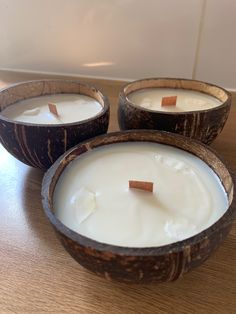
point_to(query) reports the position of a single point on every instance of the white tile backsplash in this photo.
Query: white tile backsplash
(126, 39)
(118, 38)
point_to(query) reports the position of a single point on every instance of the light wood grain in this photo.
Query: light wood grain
(38, 276)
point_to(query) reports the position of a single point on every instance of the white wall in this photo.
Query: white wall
(126, 39)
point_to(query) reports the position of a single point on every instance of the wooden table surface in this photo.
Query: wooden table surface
(37, 275)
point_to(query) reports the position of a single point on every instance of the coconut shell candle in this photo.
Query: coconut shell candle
(40, 120)
(132, 209)
(191, 108)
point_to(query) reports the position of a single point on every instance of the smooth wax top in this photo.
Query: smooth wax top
(92, 196)
(187, 100)
(70, 107)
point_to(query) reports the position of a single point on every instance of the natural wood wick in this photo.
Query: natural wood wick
(53, 109)
(141, 185)
(169, 101)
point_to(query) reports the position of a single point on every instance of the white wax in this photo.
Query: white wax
(92, 195)
(70, 107)
(187, 100)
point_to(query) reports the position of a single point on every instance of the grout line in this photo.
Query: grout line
(199, 37)
(67, 74)
(77, 76)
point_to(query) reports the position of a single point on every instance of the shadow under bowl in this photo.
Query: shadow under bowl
(203, 125)
(151, 264)
(39, 145)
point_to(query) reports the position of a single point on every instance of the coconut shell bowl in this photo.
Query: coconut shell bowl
(203, 125)
(39, 145)
(148, 264)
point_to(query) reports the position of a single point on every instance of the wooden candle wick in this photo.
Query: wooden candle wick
(169, 101)
(141, 185)
(53, 109)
